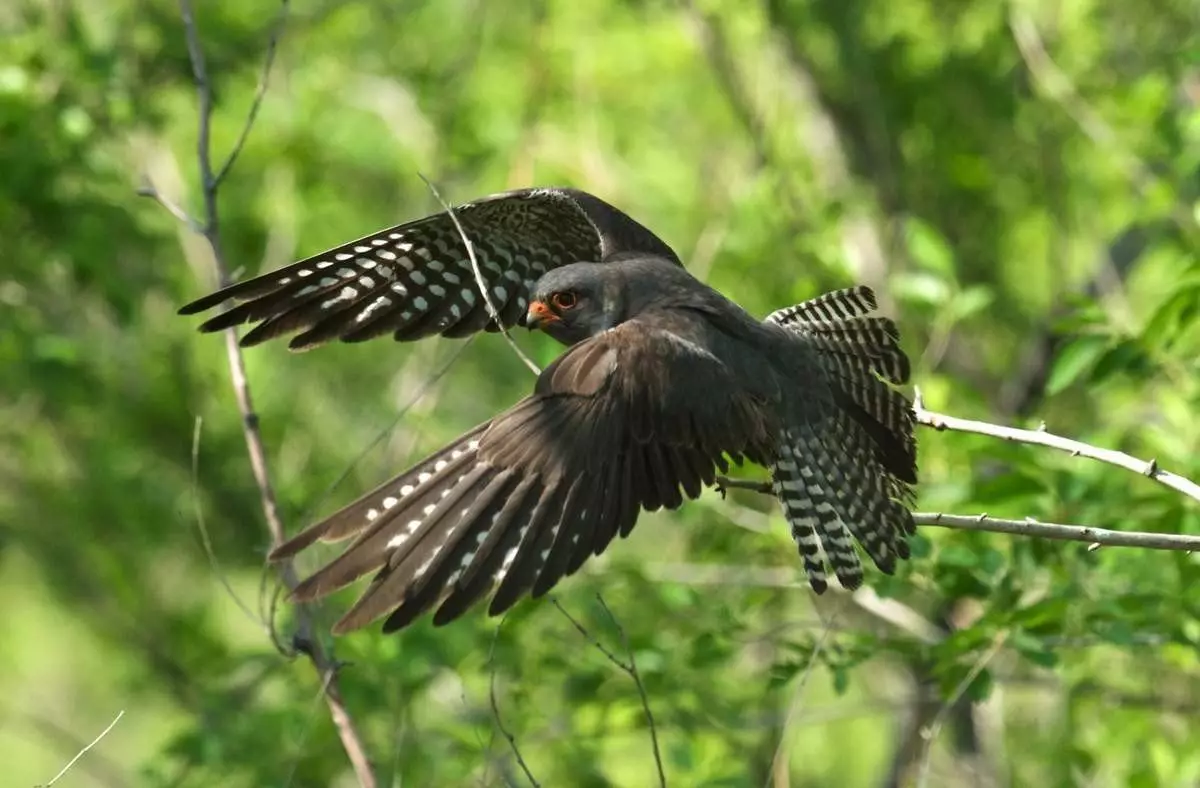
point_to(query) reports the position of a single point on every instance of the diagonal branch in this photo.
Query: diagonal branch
(495, 704)
(260, 92)
(629, 668)
(935, 727)
(323, 661)
(1040, 437)
(84, 751)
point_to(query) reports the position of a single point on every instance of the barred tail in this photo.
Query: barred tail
(847, 474)
(861, 356)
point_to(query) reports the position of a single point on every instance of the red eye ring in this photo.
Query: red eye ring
(564, 300)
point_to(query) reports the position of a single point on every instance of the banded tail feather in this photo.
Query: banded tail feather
(832, 306)
(862, 355)
(834, 492)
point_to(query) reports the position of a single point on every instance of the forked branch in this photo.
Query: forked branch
(323, 661)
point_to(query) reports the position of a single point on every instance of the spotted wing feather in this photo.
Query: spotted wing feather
(522, 501)
(416, 279)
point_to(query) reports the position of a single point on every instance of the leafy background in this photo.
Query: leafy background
(1018, 180)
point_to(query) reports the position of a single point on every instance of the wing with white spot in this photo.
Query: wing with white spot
(416, 279)
(634, 418)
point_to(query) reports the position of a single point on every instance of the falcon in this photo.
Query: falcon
(663, 384)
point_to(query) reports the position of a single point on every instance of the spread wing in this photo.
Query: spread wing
(416, 279)
(634, 418)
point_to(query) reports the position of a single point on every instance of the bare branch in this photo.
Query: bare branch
(629, 668)
(493, 313)
(84, 751)
(260, 92)
(149, 190)
(1040, 437)
(632, 670)
(1096, 537)
(324, 663)
(512, 740)
(1058, 86)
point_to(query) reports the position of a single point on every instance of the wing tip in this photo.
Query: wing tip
(197, 306)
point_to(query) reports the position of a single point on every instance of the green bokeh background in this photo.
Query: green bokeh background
(1017, 180)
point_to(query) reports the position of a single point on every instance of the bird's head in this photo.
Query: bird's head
(576, 301)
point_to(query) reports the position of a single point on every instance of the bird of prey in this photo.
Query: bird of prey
(663, 384)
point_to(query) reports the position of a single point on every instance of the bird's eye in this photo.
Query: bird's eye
(564, 300)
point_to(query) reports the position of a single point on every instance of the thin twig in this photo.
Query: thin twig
(84, 751)
(1040, 437)
(480, 282)
(632, 670)
(428, 382)
(260, 92)
(149, 190)
(931, 733)
(629, 668)
(205, 538)
(512, 740)
(1096, 537)
(306, 730)
(324, 662)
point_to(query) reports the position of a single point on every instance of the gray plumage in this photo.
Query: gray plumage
(664, 383)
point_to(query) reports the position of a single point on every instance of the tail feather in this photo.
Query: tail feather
(885, 521)
(834, 492)
(834, 305)
(869, 339)
(806, 484)
(846, 474)
(862, 356)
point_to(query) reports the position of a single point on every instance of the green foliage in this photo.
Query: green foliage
(1030, 220)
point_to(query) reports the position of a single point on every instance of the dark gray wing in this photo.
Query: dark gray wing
(634, 418)
(415, 279)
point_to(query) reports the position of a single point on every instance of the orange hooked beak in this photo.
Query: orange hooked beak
(539, 314)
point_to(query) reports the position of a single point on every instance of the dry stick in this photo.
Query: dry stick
(493, 313)
(1040, 437)
(629, 668)
(512, 740)
(260, 92)
(1096, 537)
(1057, 84)
(641, 688)
(324, 662)
(84, 751)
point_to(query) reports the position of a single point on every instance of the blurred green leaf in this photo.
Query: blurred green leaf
(1074, 362)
